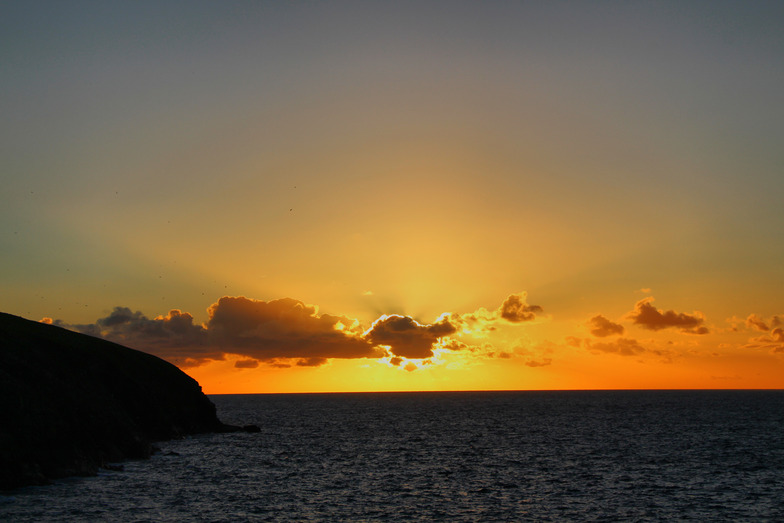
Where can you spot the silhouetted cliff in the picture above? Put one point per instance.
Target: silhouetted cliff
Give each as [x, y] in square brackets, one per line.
[70, 403]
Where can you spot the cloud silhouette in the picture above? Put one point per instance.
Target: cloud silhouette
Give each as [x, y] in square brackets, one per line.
[513, 310]
[284, 328]
[253, 329]
[311, 362]
[516, 310]
[651, 318]
[621, 346]
[406, 337]
[286, 332]
[601, 327]
[173, 335]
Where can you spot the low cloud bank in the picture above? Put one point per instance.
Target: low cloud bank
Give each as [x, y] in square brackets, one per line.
[288, 332]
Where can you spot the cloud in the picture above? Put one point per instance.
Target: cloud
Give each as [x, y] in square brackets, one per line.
[773, 341]
[516, 310]
[621, 346]
[311, 362]
[253, 329]
[513, 310]
[406, 337]
[536, 355]
[651, 318]
[601, 327]
[284, 328]
[773, 329]
[697, 330]
[456, 345]
[757, 323]
[173, 336]
[246, 364]
[286, 332]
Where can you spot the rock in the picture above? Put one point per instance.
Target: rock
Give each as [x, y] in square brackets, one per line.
[71, 403]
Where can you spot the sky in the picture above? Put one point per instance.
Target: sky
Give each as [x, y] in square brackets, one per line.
[367, 196]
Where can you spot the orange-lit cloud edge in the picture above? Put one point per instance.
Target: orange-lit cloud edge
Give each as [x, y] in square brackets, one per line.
[284, 345]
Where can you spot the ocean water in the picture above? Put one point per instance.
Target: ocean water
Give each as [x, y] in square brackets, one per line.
[456, 456]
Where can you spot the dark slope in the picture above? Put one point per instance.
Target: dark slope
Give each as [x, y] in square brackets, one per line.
[69, 403]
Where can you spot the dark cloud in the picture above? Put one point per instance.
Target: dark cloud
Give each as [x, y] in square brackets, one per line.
[601, 327]
[173, 336]
[621, 346]
[542, 363]
[516, 310]
[698, 330]
[253, 329]
[311, 362]
[651, 318]
[407, 338]
[284, 328]
[246, 364]
[288, 332]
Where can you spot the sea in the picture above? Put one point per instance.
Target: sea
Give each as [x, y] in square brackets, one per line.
[450, 456]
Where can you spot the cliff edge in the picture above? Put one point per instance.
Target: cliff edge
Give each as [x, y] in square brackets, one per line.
[70, 403]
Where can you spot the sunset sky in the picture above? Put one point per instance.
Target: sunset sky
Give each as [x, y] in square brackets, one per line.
[361, 196]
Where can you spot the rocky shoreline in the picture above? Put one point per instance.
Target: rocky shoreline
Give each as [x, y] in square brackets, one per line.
[71, 404]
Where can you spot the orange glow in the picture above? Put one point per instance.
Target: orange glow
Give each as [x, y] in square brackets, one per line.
[570, 370]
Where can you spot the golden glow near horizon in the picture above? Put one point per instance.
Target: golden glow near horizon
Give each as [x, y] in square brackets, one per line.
[286, 345]
[290, 198]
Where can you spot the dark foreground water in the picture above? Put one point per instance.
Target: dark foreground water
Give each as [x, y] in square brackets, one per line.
[464, 456]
